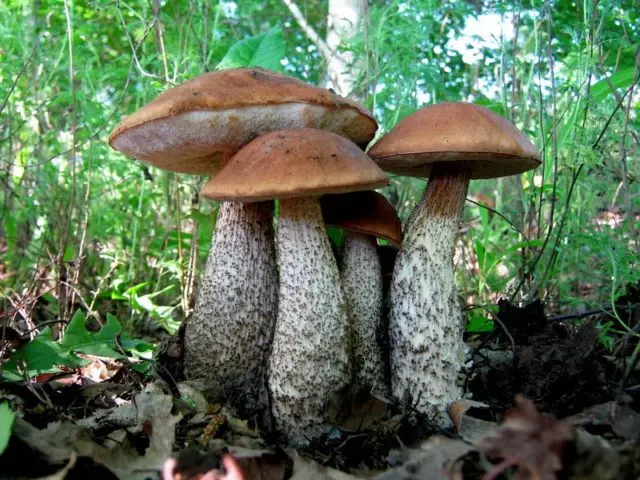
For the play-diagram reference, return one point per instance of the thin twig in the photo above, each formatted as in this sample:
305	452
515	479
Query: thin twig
19	76
308	30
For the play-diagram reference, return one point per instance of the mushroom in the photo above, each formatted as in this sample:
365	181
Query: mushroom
450	143
364	216
309	361
195	128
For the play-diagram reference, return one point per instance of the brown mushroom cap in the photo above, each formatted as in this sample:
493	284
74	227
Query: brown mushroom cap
294	163
451	132
195	127
366	212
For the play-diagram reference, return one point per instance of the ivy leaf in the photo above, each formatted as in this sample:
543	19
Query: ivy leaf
264	50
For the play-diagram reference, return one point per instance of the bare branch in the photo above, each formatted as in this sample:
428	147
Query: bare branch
322	46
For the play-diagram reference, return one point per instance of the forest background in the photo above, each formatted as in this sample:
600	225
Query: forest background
87	233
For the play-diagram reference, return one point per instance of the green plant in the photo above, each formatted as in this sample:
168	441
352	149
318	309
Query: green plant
45	355
6	422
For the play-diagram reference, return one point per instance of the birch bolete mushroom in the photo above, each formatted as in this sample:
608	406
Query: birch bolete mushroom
364	216
450	143
195	128
198	125
309	361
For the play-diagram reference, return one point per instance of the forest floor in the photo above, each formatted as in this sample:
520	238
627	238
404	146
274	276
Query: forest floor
107	421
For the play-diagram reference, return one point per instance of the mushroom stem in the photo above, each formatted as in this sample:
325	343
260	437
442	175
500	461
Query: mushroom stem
361	276
309	362
228	336
426	322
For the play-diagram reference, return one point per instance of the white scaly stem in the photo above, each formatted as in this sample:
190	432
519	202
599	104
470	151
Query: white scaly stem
309	362
426	321
361	275
228	336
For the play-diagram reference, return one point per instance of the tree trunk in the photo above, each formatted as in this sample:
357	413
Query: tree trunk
344	21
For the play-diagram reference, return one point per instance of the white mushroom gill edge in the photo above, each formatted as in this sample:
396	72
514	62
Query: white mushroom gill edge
426	321
228	336
309	362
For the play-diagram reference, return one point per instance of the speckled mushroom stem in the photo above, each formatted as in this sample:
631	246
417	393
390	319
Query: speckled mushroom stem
228	336
361	275
426	322
309	361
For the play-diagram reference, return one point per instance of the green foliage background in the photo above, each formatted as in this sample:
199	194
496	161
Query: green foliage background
82	227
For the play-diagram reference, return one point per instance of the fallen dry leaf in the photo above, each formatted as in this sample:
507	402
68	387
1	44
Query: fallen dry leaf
435	460
468	426
529	440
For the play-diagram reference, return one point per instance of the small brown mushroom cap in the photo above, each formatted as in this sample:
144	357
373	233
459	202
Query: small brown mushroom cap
294	163
195	127
365	212
451	132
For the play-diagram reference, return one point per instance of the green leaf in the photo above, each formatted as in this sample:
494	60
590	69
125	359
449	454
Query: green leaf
78	339
264	50
41	355
69	253
479	324
533	243
484	216
109	330
480	254
6	422
496	107
11	232
336	236
621	79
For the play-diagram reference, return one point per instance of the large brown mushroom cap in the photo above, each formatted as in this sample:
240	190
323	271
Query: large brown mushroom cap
451	132
367	212
195	127
294	163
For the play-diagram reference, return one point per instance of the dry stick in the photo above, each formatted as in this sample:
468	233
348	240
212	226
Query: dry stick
85	223
308	30
183	300
554	139
205	44
518	178
496	212
158	25
541	111
19	76
63	301
554	250
173	178
596	144
134	49
623	161
514	47
527	273
193	256
601	310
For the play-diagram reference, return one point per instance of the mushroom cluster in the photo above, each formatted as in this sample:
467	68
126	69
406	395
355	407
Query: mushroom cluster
274	308
197	127
309	364
219	124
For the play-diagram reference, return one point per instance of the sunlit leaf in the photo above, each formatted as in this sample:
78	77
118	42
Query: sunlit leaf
264	50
